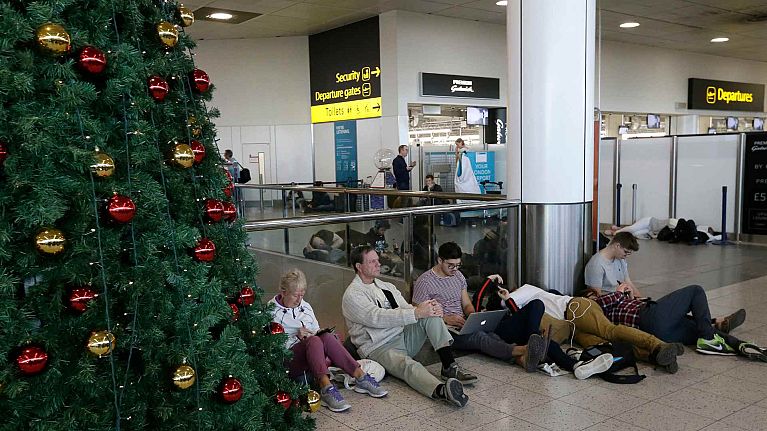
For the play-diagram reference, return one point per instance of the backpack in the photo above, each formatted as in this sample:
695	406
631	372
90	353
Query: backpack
244	176
665	234
623	357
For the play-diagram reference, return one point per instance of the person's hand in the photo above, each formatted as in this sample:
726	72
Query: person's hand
592	292
454	320
430	308
625	287
413	163
503	293
496	278
304	333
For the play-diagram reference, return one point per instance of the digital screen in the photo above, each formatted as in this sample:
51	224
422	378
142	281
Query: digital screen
476	116
758	123
732	123
653	121
622	130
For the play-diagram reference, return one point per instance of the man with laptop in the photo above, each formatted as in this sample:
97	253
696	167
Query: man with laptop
446	285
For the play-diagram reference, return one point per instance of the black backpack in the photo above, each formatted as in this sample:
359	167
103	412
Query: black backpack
244	176
623	357
665	234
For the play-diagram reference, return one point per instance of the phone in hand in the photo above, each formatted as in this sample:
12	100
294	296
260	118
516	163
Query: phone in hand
326	331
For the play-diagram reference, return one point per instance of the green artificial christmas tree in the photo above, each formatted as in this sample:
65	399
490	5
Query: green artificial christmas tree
127	297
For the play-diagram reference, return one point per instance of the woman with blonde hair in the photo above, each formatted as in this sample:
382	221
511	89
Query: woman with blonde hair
311	347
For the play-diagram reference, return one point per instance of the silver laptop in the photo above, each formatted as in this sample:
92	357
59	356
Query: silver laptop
485	321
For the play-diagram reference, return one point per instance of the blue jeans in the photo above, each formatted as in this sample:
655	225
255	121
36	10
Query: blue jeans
667	318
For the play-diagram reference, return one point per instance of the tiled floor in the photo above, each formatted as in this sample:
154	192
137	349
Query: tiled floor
708	393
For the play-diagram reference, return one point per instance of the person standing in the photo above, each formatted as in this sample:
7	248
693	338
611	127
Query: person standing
465	181
233	167
402	169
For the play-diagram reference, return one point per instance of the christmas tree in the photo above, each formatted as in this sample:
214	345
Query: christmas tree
127	296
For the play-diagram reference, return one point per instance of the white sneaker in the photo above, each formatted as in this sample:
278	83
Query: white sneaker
600	364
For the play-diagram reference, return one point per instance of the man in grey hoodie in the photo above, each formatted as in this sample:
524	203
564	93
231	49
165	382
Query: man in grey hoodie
388	330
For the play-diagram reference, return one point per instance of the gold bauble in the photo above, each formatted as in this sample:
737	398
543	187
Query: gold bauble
183	155
312	401
101	343
50	241
104	166
184	377
194	128
53	39
168	33
186	15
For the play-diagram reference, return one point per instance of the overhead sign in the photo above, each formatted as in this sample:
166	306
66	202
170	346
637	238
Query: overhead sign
474	87
755	185
497	128
345	72
346	151
724	95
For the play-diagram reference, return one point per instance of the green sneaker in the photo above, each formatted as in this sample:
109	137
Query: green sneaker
714	346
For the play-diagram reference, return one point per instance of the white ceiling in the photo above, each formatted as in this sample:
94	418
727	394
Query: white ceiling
686	25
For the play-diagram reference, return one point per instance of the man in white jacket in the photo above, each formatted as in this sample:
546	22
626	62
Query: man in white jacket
385	328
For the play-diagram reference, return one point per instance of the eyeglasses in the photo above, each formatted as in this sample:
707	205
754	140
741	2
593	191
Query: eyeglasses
453	265
626	251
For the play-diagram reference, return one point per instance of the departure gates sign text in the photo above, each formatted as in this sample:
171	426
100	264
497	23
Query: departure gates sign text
724	95
345	72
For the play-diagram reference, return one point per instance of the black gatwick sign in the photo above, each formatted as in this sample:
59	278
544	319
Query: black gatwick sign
474	87
754	215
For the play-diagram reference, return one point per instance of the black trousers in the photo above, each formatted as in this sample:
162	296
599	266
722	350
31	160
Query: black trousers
668	318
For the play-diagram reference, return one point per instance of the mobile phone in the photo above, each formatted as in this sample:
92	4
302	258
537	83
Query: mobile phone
594	352
326	331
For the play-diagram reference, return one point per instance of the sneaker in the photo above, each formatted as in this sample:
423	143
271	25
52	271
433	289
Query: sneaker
536	351
666	357
732	321
370	386
333	400
714	346
455	372
454	393
586	369
752	351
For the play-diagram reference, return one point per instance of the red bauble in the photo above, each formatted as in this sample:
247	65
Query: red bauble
121	208
200	80
158	87
247	296
205	250
32	360
214	209
275	328
80	297
235	312
283	398
231	390
91	60
230	211
3	152
199	151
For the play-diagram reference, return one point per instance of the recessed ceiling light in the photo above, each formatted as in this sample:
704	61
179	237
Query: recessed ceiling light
220	15
629	25
720	39
502	2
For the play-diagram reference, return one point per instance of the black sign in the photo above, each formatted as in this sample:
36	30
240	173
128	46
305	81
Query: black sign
345	72
474	87
496	130
755	185
724	95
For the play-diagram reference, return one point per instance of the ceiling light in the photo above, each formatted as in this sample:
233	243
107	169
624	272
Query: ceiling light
629	25
720	39
221	16
502	2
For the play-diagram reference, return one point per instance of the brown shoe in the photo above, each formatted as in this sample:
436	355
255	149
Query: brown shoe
732	321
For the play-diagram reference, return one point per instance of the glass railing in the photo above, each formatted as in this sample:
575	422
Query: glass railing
407	240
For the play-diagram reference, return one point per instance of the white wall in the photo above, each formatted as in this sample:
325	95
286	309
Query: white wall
636	78
262	91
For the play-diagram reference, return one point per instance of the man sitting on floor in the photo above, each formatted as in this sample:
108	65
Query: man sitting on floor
445	284
385	328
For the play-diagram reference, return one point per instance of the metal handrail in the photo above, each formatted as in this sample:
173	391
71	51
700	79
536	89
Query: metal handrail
269	224
377	191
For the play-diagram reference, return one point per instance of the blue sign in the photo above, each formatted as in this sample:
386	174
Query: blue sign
483	163
346	150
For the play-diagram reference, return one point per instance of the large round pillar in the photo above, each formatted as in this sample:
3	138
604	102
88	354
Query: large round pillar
551	135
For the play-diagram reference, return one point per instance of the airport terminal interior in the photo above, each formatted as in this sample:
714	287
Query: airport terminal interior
575	148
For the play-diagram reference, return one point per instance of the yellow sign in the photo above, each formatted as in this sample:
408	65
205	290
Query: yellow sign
715	94
351	110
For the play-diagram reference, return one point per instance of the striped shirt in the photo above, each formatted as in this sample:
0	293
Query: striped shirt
446	290
621	309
